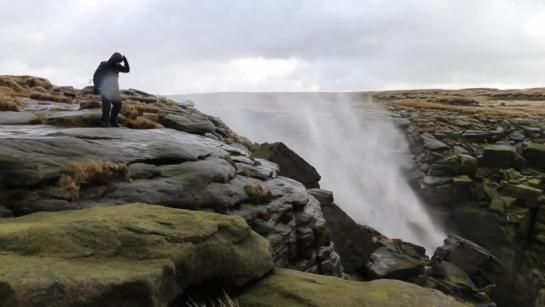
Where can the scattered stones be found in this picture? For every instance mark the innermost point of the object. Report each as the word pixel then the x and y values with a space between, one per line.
pixel 432 143
pixel 517 135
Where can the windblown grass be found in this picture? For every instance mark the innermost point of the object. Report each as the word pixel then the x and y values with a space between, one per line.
pixel 224 301
pixel 9 103
pixel 258 194
pixel 90 173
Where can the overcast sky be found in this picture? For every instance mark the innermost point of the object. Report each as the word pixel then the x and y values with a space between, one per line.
pixel 177 46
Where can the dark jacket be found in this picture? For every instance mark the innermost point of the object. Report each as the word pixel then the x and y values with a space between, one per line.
pixel 110 68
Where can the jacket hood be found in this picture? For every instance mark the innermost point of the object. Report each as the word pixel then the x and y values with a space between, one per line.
pixel 116 58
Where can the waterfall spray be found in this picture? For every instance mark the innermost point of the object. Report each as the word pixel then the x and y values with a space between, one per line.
pixel 353 144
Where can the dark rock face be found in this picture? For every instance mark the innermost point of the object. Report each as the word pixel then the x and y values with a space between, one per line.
pixel 470 257
pixel 385 263
pixel 291 164
pixel 500 156
pixel 535 154
pixel 491 194
pixel 353 242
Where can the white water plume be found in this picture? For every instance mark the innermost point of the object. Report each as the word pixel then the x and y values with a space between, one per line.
pixel 354 145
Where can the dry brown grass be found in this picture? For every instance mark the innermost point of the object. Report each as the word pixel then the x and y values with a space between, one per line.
pixel 141 122
pixel 140 115
pixel 258 194
pixel 223 301
pixel 325 237
pixel 48 97
pixel 90 172
pixel 39 119
pixel 488 109
pixel 9 103
pixel 134 109
pixel 90 104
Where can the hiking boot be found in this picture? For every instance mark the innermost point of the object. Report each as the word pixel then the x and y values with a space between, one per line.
pixel 105 125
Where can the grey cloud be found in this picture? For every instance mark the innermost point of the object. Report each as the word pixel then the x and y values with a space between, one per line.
pixel 338 45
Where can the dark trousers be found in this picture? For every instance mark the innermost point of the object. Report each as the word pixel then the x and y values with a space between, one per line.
pixel 106 106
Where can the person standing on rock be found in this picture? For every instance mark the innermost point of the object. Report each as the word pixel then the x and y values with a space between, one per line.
pixel 106 84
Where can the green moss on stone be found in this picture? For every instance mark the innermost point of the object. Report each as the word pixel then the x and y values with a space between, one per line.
pixel 289 288
pixel 132 253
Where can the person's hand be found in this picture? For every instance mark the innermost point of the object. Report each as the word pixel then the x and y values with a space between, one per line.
pixel 124 58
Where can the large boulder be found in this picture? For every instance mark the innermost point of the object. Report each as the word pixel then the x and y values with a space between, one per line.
pixel 473 259
pixel 501 156
pixel 194 123
pixel 129 255
pixel 292 288
pixel 535 154
pixel 291 164
pixel 387 263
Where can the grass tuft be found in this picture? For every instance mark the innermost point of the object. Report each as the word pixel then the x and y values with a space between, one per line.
pixel 257 194
pixel 9 103
pixel 224 301
pixel 91 172
pixel 141 122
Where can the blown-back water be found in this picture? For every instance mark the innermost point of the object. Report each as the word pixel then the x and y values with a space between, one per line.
pixel 354 145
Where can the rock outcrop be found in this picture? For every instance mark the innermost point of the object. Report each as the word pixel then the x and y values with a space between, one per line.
pixel 292 288
pixel 487 182
pixel 60 161
pixel 128 255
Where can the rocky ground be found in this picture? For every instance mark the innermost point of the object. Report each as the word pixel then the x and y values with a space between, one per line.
pixel 479 162
pixel 177 204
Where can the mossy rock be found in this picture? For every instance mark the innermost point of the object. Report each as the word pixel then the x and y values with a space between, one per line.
pixel 468 164
pixel 499 156
pixel 521 191
pixel 288 288
pixel 535 154
pixel 129 255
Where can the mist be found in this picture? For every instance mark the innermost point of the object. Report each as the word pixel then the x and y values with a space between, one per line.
pixel 353 144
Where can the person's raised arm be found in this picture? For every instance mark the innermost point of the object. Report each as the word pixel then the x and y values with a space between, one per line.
pixel 125 67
